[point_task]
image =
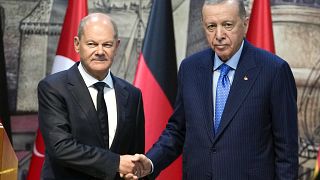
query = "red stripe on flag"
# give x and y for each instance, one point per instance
(157, 111)
(260, 26)
(157, 108)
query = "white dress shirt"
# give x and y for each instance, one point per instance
(109, 96)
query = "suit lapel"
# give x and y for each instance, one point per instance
(81, 95)
(245, 76)
(122, 95)
(205, 74)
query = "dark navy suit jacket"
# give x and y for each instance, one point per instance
(75, 149)
(257, 137)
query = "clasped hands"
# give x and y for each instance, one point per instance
(134, 166)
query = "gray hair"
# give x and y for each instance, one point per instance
(85, 19)
(241, 7)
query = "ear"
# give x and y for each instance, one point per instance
(76, 42)
(116, 46)
(246, 24)
(118, 43)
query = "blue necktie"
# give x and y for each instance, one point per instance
(222, 92)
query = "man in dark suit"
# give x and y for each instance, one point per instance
(235, 115)
(87, 134)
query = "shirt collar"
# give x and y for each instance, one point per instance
(89, 80)
(232, 62)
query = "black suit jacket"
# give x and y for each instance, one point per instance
(70, 127)
(257, 137)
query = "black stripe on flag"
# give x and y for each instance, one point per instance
(159, 48)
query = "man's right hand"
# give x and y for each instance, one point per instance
(128, 166)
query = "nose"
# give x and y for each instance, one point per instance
(220, 34)
(100, 50)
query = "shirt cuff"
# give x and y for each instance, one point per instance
(152, 168)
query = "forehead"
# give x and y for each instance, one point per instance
(222, 11)
(98, 29)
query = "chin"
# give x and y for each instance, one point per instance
(105, 69)
(102, 65)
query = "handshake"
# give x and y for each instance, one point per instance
(134, 166)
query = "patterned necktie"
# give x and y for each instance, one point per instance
(222, 92)
(102, 112)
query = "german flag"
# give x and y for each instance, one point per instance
(156, 76)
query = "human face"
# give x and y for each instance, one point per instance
(97, 46)
(224, 28)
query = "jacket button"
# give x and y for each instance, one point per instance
(214, 150)
(208, 174)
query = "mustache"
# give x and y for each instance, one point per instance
(100, 58)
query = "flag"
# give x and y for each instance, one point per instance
(37, 158)
(4, 103)
(316, 172)
(260, 26)
(65, 58)
(156, 76)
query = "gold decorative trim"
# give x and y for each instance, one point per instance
(7, 171)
